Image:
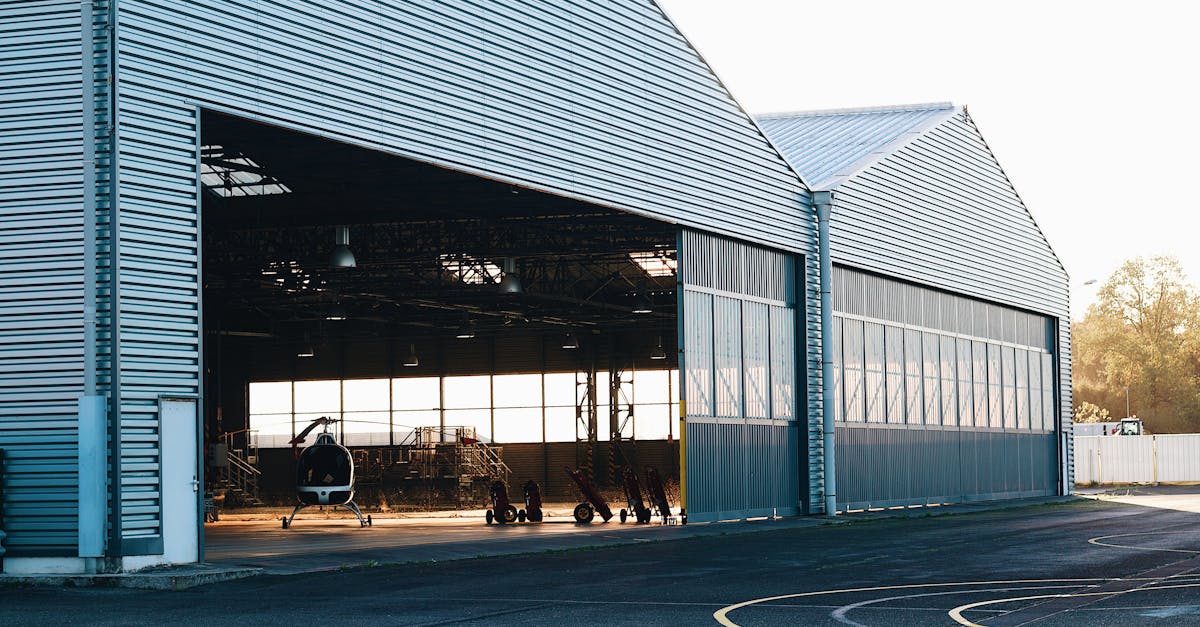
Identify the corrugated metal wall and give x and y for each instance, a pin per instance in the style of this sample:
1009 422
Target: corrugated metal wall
742 372
42 194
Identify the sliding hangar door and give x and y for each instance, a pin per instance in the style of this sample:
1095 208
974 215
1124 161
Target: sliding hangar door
743 379
938 398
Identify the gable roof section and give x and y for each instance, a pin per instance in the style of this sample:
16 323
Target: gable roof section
921 196
827 147
600 101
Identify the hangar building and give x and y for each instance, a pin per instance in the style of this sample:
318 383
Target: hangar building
545 230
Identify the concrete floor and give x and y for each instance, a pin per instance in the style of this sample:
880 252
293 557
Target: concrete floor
1093 561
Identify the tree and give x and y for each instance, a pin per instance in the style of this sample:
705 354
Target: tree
1090 412
1143 335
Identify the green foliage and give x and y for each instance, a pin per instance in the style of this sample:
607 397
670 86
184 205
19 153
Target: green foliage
1090 412
1142 334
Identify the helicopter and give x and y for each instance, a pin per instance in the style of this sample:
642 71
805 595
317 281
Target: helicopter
324 473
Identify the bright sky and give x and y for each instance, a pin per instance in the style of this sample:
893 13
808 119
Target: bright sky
1092 108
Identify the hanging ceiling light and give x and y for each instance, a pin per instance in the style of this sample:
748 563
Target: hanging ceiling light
659 353
569 342
411 361
306 350
466 330
642 304
337 312
510 282
341 257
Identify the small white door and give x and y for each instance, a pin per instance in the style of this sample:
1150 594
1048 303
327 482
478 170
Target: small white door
181 515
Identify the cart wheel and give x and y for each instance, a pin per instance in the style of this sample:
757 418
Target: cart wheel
509 515
584 513
521 515
624 514
368 520
488 516
535 515
284 521
644 518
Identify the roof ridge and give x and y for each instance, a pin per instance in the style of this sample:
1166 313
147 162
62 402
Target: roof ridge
924 106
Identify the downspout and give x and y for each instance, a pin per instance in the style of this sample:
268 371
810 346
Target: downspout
93 437
824 205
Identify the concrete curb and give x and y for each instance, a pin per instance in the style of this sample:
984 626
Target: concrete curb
154 579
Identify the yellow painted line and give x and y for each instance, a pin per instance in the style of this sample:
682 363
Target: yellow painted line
1097 541
722 615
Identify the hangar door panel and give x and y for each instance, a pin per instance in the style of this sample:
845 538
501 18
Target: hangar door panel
738 321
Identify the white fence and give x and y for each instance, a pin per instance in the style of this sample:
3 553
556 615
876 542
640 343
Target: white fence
1137 459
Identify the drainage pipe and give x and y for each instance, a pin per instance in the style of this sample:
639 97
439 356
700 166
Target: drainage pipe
824 205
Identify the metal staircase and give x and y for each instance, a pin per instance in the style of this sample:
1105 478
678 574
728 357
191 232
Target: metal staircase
239 475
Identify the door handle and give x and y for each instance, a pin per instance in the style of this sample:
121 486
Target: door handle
195 484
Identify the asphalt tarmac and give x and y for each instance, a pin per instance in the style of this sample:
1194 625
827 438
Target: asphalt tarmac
1119 561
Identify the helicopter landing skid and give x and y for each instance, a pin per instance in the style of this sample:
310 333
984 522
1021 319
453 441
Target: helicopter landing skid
350 505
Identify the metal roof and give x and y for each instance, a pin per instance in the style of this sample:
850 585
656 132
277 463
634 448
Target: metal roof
827 147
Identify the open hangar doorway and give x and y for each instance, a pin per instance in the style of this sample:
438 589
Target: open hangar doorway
460 329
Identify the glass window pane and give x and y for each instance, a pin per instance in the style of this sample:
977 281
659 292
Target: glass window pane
839 370
651 386
272 424
405 422
518 425
949 357
1022 369
852 354
727 356
518 390
652 422
698 347
873 383
1009 380
319 397
756 328
560 424
478 419
272 397
560 389
1035 390
933 394
966 386
416 393
893 349
468 392
369 428
366 395
1049 409
995 402
979 369
914 387
783 363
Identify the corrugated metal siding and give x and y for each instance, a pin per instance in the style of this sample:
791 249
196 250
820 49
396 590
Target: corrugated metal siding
941 212
605 102
873 296
744 445
889 466
42 193
826 145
